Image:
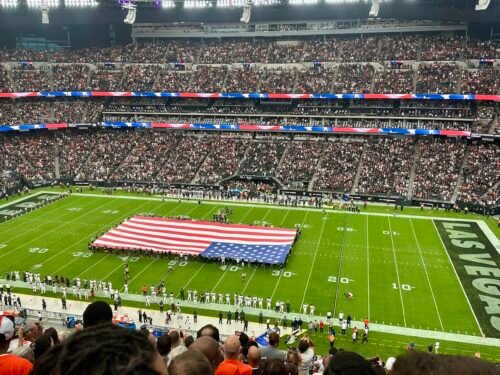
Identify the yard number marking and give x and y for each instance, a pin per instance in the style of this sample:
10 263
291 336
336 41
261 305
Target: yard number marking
39 250
343 280
404 287
283 273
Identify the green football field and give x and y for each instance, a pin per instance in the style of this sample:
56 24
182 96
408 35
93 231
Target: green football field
397 267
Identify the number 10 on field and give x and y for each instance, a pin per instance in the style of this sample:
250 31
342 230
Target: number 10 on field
405 287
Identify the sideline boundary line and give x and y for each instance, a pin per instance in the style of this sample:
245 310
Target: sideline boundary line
458 279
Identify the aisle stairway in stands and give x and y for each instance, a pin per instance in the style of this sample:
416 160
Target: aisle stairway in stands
195 178
411 180
314 177
57 165
358 170
460 175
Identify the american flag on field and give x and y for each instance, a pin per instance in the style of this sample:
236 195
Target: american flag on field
206 239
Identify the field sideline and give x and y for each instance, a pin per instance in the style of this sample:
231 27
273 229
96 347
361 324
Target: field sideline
396 266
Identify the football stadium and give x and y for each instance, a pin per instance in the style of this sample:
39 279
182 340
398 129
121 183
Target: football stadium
249 187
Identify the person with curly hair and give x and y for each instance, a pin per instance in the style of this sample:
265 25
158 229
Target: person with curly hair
102 349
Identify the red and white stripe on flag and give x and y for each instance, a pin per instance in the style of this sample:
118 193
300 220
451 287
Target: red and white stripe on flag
186 236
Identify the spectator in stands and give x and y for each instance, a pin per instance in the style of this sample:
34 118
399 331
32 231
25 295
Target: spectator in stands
101 349
274 367
190 362
210 331
415 362
306 354
271 351
96 313
10 364
253 358
177 345
210 348
231 365
163 346
345 362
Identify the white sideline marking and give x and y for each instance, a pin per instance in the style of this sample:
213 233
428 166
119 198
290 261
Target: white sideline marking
458 279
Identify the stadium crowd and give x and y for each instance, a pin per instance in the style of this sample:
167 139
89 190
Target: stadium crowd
376 165
107 341
437 169
169 65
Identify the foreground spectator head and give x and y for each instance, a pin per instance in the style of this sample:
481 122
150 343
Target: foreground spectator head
253 356
10 364
209 330
102 349
346 363
274 339
209 348
42 345
415 362
163 345
97 312
191 362
274 367
231 365
188 341
232 347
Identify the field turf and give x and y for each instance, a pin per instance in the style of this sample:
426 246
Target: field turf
396 267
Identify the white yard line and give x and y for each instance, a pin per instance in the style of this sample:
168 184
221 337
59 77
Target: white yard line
89 268
86 238
490 235
368 266
339 272
458 279
312 264
133 278
23 233
192 278
427 275
281 274
397 271
53 230
248 282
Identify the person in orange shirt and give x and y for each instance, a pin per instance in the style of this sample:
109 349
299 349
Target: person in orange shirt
10 364
366 323
231 365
